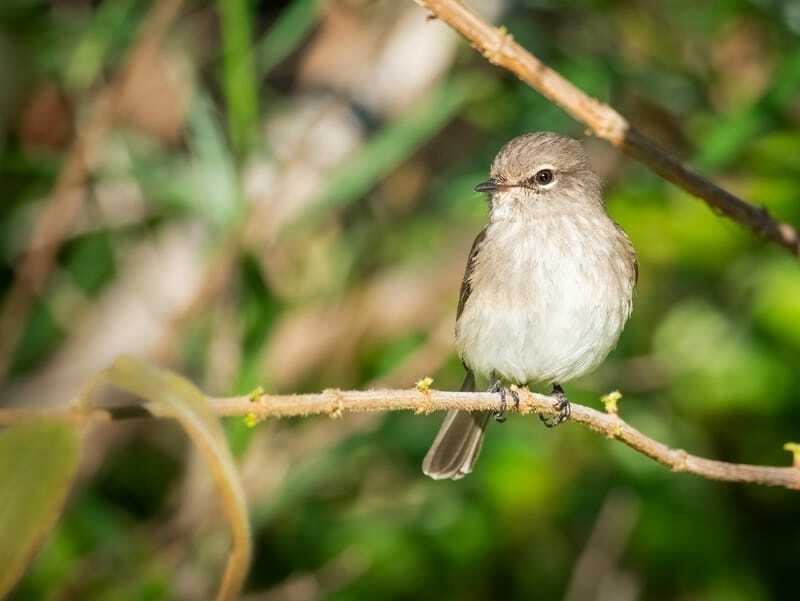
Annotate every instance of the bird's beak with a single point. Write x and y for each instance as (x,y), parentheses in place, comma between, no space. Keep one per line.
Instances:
(489,186)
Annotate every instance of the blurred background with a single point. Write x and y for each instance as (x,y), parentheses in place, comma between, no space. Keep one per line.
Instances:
(280,194)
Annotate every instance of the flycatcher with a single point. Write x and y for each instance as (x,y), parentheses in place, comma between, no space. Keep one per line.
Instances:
(547,290)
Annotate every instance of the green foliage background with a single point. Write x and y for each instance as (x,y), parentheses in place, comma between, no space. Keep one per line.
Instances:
(709,361)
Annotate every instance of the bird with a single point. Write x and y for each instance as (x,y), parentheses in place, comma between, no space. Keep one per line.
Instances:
(547,289)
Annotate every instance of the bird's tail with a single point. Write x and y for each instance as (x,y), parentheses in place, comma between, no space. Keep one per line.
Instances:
(458,443)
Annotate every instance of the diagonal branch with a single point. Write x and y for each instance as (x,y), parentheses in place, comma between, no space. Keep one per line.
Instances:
(336,403)
(499,48)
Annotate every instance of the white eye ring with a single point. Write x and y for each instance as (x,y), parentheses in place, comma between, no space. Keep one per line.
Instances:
(544,176)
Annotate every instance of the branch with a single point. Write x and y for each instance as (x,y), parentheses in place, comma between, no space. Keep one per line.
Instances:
(336,403)
(499,48)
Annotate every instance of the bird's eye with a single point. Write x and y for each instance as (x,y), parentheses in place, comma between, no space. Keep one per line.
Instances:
(544,177)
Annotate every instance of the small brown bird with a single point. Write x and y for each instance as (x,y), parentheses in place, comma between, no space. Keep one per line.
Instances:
(547,290)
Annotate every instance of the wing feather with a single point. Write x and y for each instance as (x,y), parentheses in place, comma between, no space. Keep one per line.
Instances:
(466,284)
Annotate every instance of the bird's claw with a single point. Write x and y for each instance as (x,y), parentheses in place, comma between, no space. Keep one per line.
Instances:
(500,416)
(562,405)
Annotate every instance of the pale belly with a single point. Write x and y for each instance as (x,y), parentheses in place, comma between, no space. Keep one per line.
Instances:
(544,312)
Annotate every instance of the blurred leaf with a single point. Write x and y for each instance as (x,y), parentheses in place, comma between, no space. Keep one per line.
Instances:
(287,33)
(37,464)
(93,527)
(783,93)
(110,29)
(776,153)
(715,364)
(777,300)
(173,396)
(383,359)
(214,184)
(173,183)
(723,140)
(239,72)
(389,147)
(40,336)
(90,261)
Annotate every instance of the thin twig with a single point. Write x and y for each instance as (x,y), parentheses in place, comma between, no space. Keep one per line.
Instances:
(66,199)
(336,403)
(596,570)
(497,45)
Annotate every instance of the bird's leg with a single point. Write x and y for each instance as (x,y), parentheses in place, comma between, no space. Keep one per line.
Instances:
(563,406)
(497,386)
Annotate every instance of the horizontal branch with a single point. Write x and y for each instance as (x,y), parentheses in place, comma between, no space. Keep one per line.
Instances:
(336,403)
(497,45)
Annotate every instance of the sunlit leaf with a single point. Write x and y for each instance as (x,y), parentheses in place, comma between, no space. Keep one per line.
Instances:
(776,306)
(715,363)
(37,464)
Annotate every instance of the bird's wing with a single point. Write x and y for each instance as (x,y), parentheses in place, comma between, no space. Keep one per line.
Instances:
(629,245)
(466,284)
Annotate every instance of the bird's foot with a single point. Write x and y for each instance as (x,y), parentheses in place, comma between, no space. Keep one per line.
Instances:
(497,386)
(563,406)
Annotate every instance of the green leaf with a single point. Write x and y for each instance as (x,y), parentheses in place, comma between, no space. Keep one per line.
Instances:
(90,261)
(239,72)
(105,37)
(212,178)
(726,138)
(390,147)
(40,335)
(294,23)
(170,395)
(38,460)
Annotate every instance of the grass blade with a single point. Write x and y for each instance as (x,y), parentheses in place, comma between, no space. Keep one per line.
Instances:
(291,27)
(239,72)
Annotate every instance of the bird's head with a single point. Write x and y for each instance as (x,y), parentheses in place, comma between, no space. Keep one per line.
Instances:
(541,173)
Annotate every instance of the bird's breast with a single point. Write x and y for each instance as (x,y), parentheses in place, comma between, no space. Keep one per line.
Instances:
(549,298)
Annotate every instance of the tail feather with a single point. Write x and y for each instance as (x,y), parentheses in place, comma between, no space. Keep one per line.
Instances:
(458,443)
